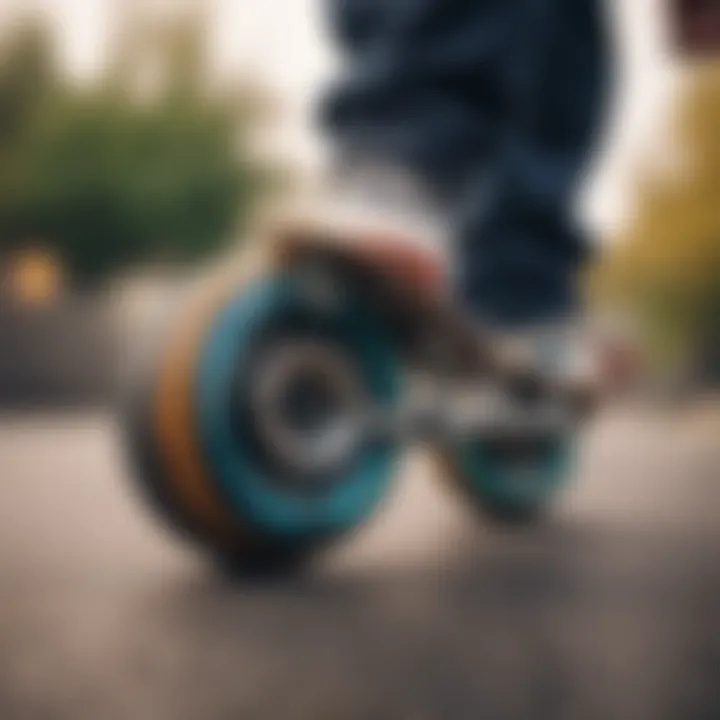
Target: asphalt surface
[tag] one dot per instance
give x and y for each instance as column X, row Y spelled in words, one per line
column 609, row 610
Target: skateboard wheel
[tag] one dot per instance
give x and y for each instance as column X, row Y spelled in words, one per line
column 509, row 480
column 142, row 448
column 257, row 487
column 162, row 439
column 197, row 446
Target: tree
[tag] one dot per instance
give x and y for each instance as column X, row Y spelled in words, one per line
column 109, row 174
column 665, row 268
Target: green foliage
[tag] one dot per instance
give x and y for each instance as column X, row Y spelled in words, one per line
column 666, row 266
column 109, row 175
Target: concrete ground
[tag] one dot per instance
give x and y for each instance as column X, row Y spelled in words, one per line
column 610, row 610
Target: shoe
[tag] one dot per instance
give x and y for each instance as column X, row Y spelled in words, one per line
column 598, row 357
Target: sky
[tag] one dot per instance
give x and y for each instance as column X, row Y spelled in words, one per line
column 284, row 44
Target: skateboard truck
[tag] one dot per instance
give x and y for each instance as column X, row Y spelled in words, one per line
column 478, row 412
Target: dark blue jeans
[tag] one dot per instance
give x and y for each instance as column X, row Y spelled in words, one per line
column 494, row 104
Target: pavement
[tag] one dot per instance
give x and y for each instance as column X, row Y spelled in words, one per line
column 608, row 610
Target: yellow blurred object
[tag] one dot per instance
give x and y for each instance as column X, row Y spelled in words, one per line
column 35, row 277
column 665, row 267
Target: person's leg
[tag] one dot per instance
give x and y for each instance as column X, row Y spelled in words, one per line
column 520, row 249
column 493, row 104
column 425, row 84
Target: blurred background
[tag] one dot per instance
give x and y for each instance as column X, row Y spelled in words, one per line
column 140, row 138
column 125, row 154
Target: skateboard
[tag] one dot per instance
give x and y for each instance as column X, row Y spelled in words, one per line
column 272, row 419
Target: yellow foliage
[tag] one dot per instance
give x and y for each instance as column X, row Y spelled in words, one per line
column 666, row 267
